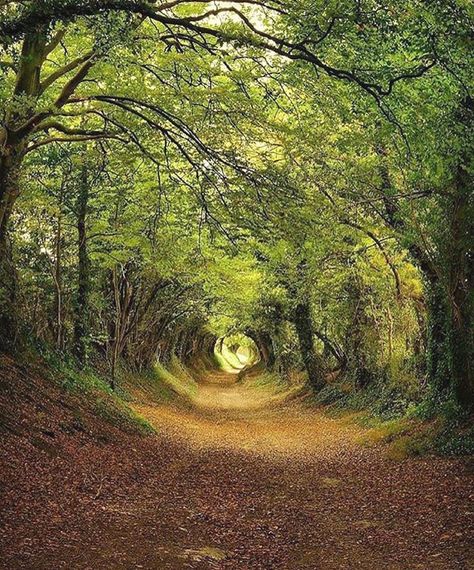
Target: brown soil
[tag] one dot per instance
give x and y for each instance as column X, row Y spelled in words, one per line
column 237, row 482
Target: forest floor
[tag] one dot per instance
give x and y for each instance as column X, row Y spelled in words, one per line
column 239, row 480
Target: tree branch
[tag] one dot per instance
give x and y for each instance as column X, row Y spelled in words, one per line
column 57, row 126
column 63, row 71
column 66, row 93
column 72, row 138
column 69, row 9
column 55, row 41
column 381, row 248
column 7, row 65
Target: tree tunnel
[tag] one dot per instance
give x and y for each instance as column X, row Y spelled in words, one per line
column 199, row 345
column 237, row 351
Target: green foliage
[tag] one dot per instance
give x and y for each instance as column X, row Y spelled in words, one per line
column 270, row 381
column 407, row 438
column 381, row 399
column 228, row 184
column 454, row 441
column 176, row 377
column 146, row 385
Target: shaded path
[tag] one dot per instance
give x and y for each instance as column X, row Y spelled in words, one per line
column 287, row 487
column 236, row 483
column 236, row 416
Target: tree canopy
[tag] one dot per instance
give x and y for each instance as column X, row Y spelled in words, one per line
column 297, row 172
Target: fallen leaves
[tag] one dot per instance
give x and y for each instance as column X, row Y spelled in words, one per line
column 305, row 497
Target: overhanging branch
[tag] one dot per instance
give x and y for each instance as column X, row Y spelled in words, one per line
column 67, row 10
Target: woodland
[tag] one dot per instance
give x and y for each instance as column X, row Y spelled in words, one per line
column 299, row 173
column 288, row 180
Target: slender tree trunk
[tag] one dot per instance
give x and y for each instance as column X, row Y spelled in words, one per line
column 390, row 334
column 311, row 360
column 81, row 323
column 419, row 344
column 124, row 323
column 117, row 325
column 58, row 281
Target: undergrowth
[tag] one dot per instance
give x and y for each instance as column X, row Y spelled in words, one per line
column 410, row 426
column 107, row 404
column 266, row 380
column 177, row 377
column 146, row 386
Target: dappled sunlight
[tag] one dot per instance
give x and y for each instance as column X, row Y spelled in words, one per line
column 236, row 352
column 256, row 429
column 236, row 284
column 250, row 417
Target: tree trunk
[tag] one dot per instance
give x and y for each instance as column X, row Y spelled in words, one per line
column 451, row 299
column 123, row 324
column 461, row 271
column 13, row 145
column 11, row 158
column 356, row 341
column 265, row 347
column 9, row 190
column 437, row 356
column 81, row 324
column 451, row 307
column 58, row 280
column 312, row 361
column 117, row 325
column 450, row 280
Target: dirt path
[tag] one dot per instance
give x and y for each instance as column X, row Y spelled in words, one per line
column 235, row 416
column 287, row 487
column 239, row 483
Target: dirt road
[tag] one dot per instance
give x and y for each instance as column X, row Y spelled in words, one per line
column 233, row 416
column 287, row 487
column 236, row 482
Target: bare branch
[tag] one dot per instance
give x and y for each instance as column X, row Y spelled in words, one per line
column 55, row 41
